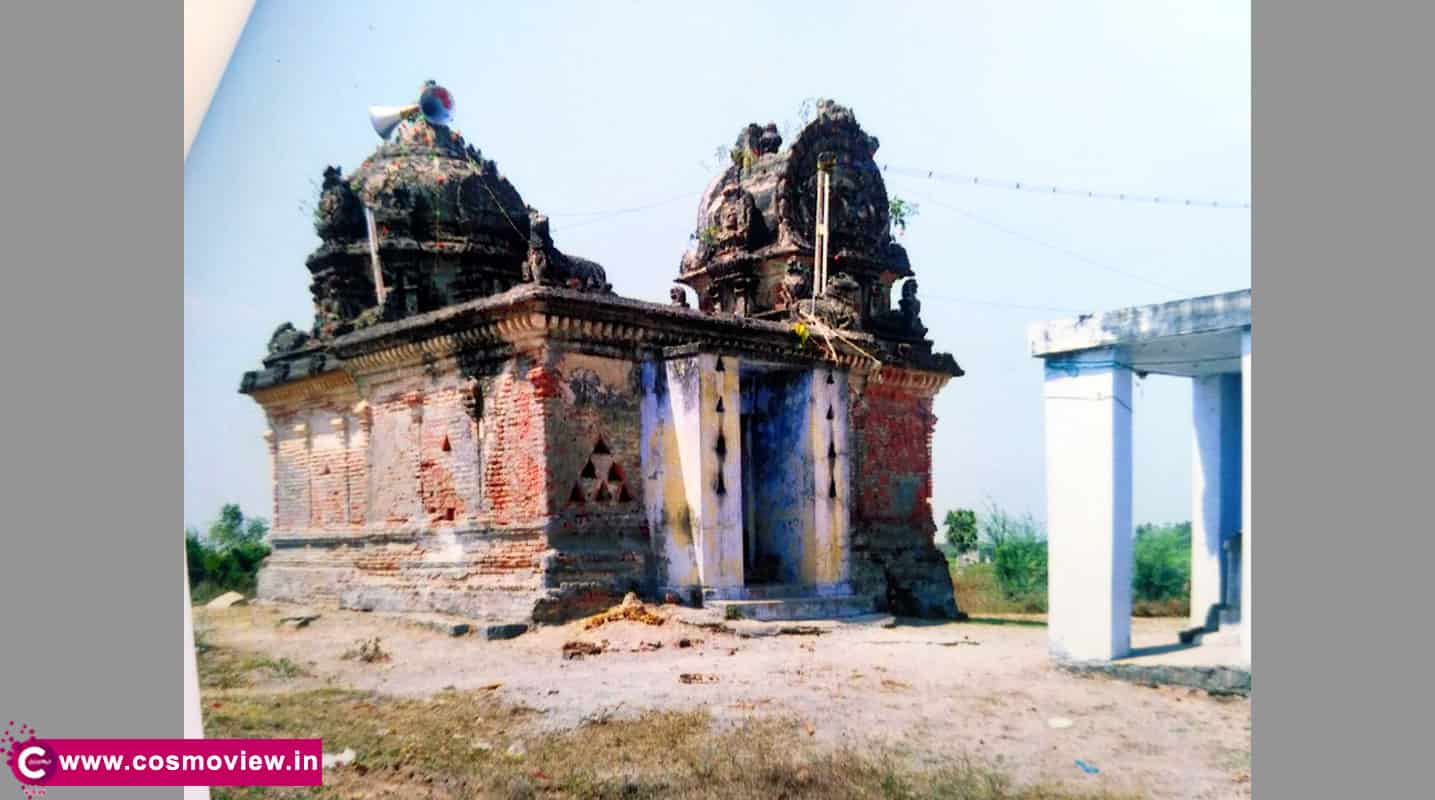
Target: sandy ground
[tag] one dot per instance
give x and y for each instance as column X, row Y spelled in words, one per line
column 930, row 691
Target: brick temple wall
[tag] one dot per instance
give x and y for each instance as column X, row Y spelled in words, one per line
column 318, row 481
column 597, row 529
column 893, row 551
column 409, row 500
column 515, row 445
column 520, row 494
column 507, row 496
column 449, row 457
column 394, row 458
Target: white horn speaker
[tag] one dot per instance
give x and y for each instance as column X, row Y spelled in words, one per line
column 386, row 118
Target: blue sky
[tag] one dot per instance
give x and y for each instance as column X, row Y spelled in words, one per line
column 593, row 108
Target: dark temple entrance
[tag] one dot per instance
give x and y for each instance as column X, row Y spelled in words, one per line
column 777, row 476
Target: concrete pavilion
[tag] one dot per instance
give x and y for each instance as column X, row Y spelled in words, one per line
column 1089, row 361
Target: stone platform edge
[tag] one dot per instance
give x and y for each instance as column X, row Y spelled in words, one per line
column 1215, row 679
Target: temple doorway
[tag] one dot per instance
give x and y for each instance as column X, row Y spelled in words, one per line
column 777, row 473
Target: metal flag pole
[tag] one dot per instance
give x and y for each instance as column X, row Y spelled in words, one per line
column 825, row 162
column 436, row 106
column 374, row 255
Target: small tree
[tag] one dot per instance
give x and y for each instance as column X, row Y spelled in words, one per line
column 228, row 558
column 1017, row 546
column 901, row 212
column 199, row 561
column 233, row 530
column 1161, row 568
column 961, row 525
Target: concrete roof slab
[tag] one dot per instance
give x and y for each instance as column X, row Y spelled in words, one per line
column 1193, row 336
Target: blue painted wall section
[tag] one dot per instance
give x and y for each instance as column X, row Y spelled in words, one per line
column 776, row 403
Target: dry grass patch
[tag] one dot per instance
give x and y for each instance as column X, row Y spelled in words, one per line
column 977, row 591
column 369, row 651
column 224, row 668
column 470, row 745
column 1170, row 607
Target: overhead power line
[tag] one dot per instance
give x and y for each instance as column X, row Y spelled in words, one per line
column 594, row 217
column 1169, row 199
column 1176, row 200
column 997, row 304
column 607, row 211
column 1048, row 245
column 600, row 216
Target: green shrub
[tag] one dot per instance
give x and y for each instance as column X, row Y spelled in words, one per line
column 1020, row 568
column 978, row 592
column 1161, row 572
column 1016, row 547
column 1015, row 578
column 230, row 561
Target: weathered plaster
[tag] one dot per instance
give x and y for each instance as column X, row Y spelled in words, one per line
column 500, row 435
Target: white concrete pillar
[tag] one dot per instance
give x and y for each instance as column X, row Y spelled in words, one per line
column 1216, row 487
column 1088, row 488
column 721, row 538
column 1246, row 619
column 827, row 568
column 705, row 407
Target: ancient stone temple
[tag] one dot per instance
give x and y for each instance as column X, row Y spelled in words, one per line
column 476, row 424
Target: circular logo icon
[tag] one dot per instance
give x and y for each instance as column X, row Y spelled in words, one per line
column 34, row 762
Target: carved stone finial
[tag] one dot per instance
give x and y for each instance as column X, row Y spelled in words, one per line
column 911, row 308
column 755, row 141
column 793, row 286
column 837, row 305
column 548, row 266
column 737, row 223
column 679, row 296
column 906, row 320
column 708, row 301
column 909, row 303
column 286, row 339
column 770, row 141
column 763, row 208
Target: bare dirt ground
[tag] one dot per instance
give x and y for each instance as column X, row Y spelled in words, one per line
column 930, row 692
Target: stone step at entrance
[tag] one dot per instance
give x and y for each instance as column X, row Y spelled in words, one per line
column 775, row 591
column 1224, row 618
column 794, row 608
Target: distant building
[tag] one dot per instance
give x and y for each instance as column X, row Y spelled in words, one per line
column 1089, row 361
column 476, row 424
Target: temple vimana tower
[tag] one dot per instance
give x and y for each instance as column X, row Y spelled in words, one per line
column 476, row 424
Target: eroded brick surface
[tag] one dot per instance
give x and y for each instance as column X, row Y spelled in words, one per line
column 893, row 552
column 520, row 492
column 470, row 435
column 894, row 441
column 593, row 446
column 514, row 478
column 449, row 491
